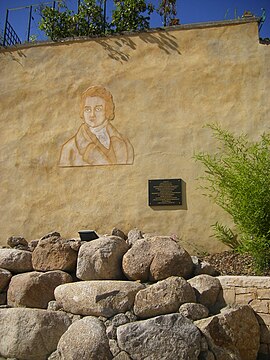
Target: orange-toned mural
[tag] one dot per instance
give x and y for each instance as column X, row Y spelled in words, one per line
column 97, row 142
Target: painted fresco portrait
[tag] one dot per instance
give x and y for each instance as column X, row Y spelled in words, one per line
column 97, row 141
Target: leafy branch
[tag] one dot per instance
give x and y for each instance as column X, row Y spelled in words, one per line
column 237, row 178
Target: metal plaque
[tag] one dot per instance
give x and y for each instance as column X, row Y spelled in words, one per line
column 164, row 192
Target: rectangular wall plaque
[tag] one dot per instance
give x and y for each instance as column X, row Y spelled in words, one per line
column 164, row 192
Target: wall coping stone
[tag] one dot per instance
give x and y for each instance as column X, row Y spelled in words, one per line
column 201, row 25
column 245, row 281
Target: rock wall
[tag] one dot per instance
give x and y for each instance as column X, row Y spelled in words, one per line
column 166, row 85
column 254, row 291
column 125, row 297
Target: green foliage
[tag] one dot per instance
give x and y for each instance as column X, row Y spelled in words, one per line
column 62, row 23
column 238, row 180
column 89, row 19
column 226, row 236
column 167, row 10
column 55, row 23
column 128, row 15
column 33, row 38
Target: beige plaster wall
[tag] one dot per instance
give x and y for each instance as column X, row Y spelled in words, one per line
column 166, row 85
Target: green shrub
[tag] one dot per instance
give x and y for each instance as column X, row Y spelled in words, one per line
column 129, row 15
column 224, row 234
column 168, row 10
column 59, row 23
column 238, row 179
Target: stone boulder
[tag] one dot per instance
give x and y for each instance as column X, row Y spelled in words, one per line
column 54, row 253
column 164, row 297
column 17, row 242
column 5, row 277
column 207, row 289
column 122, row 356
column 85, row 339
column 31, row 334
column 232, row 334
column 35, row 289
column 203, row 267
column 164, row 337
column 156, row 258
column 117, row 232
column 16, row 261
column 111, row 325
column 101, row 259
column 98, row 298
column 33, row 244
column 133, row 236
column 194, row 311
column 51, row 234
column 114, row 348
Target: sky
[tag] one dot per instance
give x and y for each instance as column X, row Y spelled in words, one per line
column 188, row 11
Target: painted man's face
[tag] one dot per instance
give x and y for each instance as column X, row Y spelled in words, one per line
column 94, row 111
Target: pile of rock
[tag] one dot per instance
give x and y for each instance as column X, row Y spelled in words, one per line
column 117, row 297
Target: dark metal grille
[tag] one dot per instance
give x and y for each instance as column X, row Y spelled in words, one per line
column 10, row 36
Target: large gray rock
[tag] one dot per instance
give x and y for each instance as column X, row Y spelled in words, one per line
column 164, row 297
column 5, row 277
column 206, row 288
column 99, row 298
column 54, row 253
column 31, row 334
column 101, row 259
column 35, row 289
column 16, row 261
column 156, row 258
column 85, row 339
column 233, row 334
column 170, row 337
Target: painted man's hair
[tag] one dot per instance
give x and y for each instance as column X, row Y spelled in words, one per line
column 103, row 93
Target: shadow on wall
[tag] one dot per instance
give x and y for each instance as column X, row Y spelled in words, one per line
column 116, row 51
column 15, row 57
column 164, row 41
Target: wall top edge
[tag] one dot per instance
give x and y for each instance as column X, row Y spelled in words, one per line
column 245, row 281
column 228, row 277
column 201, row 25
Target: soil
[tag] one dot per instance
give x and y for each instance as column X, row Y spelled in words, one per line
column 231, row 263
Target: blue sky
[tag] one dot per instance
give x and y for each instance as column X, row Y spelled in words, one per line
column 189, row 11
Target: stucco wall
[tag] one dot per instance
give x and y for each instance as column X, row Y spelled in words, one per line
column 166, row 85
